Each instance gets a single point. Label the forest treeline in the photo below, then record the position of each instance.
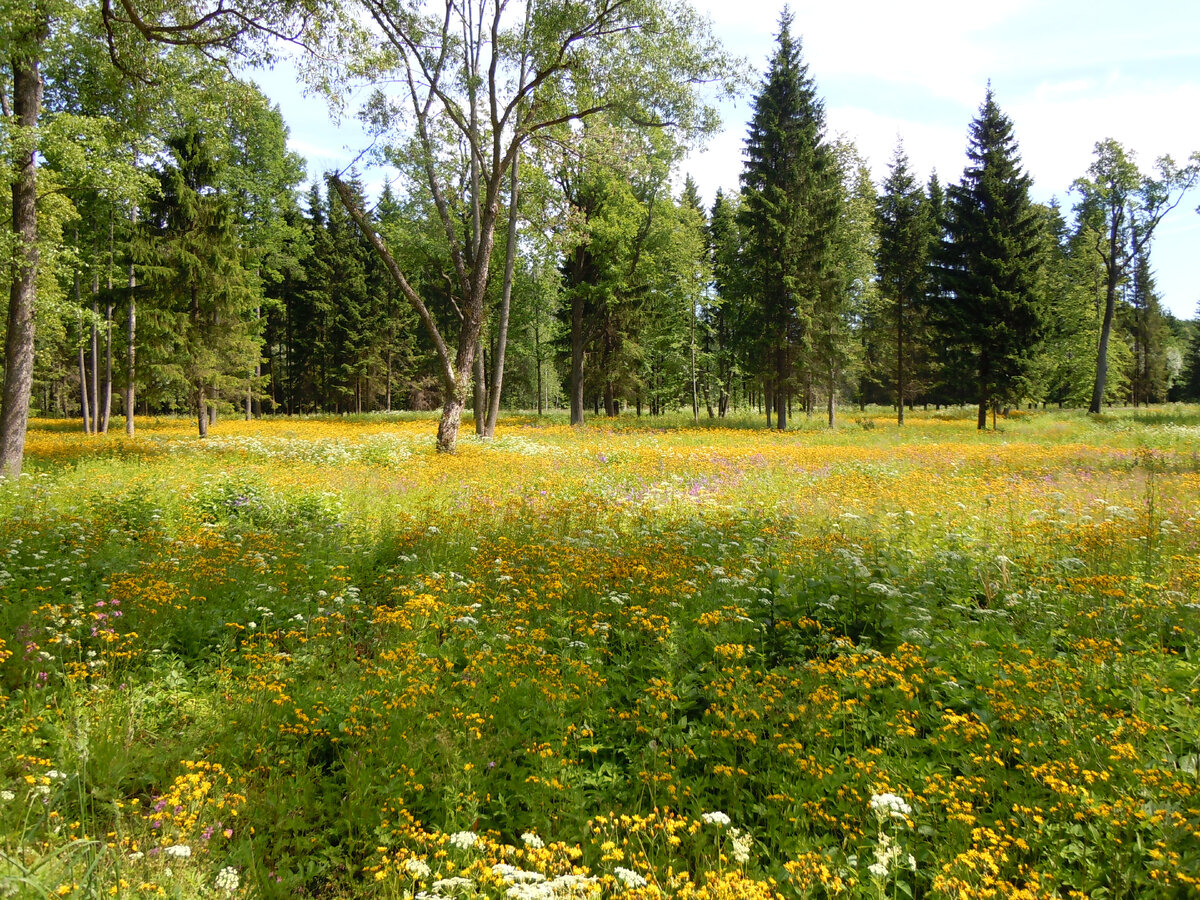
(534, 246)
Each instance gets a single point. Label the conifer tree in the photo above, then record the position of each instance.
(989, 306)
(789, 213)
(903, 263)
(209, 294)
(728, 310)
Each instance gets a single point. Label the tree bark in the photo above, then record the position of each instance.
(510, 258)
(131, 351)
(452, 410)
(201, 411)
(900, 373)
(84, 404)
(577, 340)
(1110, 305)
(18, 342)
(95, 354)
(479, 390)
(108, 383)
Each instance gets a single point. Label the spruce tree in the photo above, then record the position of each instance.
(789, 213)
(989, 306)
(209, 296)
(903, 263)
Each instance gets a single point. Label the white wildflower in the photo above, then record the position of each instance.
(739, 845)
(878, 870)
(7, 796)
(532, 840)
(417, 868)
(452, 884)
(890, 805)
(629, 878)
(513, 875)
(181, 851)
(715, 818)
(227, 880)
(463, 840)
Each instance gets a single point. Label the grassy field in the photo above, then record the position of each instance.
(312, 658)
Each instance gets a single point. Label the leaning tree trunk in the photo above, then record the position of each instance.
(18, 341)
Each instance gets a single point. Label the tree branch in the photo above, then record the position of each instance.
(393, 268)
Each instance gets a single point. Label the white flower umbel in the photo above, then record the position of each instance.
(739, 845)
(890, 806)
(227, 880)
(629, 878)
(417, 868)
(180, 851)
(715, 818)
(463, 840)
(532, 840)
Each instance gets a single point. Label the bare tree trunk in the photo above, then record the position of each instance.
(479, 390)
(85, 405)
(537, 356)
(692, 364)
(510, 256)
(108, 384)
(452, 410)
(900, 372)
(131, 351)
(95, 353)
(83, 391)
(832, 406)
(1110, 303)
(18, 341)
(108, 323)
(202, 411)
(388, 390)
(577, 361)
(106, 411)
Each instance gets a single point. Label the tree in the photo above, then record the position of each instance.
(214, 29)
(27, 29)
(209, 295)
(1125, 208)
(848, 285)
(726, 314)
(903, 264)
(990, 310)
(478, 82)
(789, 213)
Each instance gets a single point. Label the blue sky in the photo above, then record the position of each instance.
(1067, 72)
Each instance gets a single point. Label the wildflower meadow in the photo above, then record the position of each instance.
(313, 658)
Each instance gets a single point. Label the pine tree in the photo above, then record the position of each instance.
(788, 215)
(990, 311)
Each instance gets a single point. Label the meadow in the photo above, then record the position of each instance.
(314, 658)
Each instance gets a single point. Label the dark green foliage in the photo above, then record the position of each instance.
(906, 229)
(988, 309)
(788, 215)
(209, 298)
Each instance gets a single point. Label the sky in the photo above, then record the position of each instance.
(1068, 73)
